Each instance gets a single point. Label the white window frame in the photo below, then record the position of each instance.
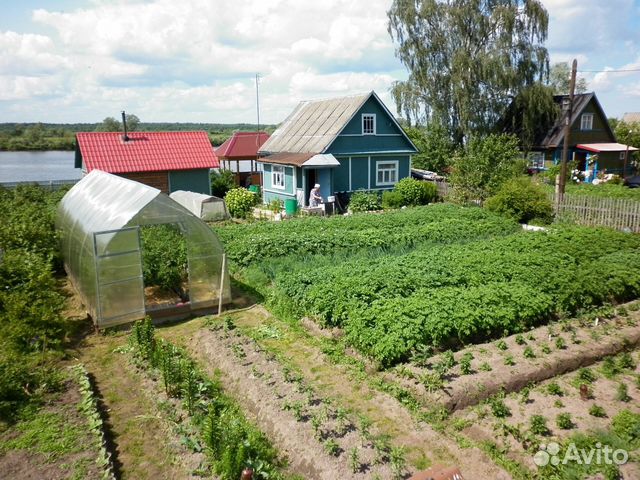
(379, 170)
(373, 118)
(536, 160)
(278, 179)
(586, 121)
(623, 154)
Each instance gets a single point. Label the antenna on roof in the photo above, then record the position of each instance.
(125, 137)
(258, 107)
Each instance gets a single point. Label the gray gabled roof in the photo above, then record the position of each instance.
(630, 117)
(314, 125)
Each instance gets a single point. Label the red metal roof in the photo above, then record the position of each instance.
(146, 151)
(242, 146)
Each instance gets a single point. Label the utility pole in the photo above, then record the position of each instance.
(567, 130)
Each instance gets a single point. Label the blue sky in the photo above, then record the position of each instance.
(195, 60)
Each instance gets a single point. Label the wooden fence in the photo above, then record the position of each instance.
(619, 213)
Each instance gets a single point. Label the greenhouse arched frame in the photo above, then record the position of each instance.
(99, 221)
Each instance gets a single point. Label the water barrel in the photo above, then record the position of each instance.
(290, 206)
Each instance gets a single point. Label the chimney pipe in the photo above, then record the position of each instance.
(125, 137)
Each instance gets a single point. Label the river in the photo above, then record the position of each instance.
(38, 166)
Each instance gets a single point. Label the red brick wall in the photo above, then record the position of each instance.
(159, 180)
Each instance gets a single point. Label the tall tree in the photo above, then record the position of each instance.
(467, 59)
(560, 79)
(110, 124)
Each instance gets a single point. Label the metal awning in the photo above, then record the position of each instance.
(301, 159)
(322, 160)
(606, 147)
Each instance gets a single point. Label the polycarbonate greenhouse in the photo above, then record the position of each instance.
(206, 207)
(99, 223)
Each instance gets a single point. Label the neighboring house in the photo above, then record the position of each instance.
(242, 147)
(592, 143)
(344, 144)
(168, 161)
(631, 117)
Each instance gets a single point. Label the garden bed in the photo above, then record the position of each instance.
(512, 363)
(556, 410)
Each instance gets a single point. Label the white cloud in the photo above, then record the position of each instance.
(196, 59)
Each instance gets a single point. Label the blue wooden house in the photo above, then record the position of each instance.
(344, 144)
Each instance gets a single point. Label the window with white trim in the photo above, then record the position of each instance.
(386, 172)
(586, 121)
(536, 160)
(277, 176)
(368, 123)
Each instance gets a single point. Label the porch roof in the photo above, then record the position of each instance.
(301, 159)
(605, 147)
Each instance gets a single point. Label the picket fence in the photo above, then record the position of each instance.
(619, 213)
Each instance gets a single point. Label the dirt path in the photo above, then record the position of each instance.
(143, 445)
(426, 446)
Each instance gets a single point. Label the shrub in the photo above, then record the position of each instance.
(221, 182)
(391, 199)
(415, 192)
(522, 200)
(484, 166)
(240, 202)
(363, 201)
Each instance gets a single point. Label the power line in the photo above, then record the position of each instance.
(611, 71)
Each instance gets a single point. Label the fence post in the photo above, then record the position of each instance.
(556, 203)
(224, 265)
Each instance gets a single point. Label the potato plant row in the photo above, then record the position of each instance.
(447, 295)
(247, 244)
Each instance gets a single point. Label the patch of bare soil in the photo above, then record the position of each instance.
(30, 463)
(513, 432)
(158, 297)
(145, 446)
(289, 406)
(514, 362)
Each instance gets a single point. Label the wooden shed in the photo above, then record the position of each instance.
(168, 161)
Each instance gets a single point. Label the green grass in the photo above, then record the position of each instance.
(48, 433)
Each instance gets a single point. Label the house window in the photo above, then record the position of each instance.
(586, 121)
(277, 176)
(623, 155)
(536, 160)
(368, 124)
(387, 173)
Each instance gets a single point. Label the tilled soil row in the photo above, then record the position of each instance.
(584, 346)
(285, 407)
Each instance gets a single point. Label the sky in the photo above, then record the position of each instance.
(68, 61)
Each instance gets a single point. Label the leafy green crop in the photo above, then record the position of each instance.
(247, 244)
(447, 295)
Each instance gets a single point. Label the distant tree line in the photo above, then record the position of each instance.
(61, 136)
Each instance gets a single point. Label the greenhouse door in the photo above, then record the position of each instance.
(120, 287)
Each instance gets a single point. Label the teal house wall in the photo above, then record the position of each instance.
(359, 154)
(191, 180)
(270, 192)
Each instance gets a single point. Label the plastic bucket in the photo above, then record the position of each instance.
(290, 206)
